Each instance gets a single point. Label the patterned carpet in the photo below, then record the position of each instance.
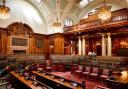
(90, 84)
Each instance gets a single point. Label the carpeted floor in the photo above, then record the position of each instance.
(90, 84)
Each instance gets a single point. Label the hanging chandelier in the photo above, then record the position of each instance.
(104, 12)
(57, 24)
(4, 11)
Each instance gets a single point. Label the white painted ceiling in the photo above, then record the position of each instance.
(40, 14)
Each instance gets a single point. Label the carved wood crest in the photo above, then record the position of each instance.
(20, 28)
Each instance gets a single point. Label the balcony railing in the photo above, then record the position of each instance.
(92, 20)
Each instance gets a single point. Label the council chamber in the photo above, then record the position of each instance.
(63, 44)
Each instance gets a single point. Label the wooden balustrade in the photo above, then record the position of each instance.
(118, 15)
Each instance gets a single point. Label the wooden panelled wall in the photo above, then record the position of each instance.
(3, 42)
(32, 44)
(56, 44)
(36, 43)
(53, 44)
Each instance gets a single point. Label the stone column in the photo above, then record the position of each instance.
(83, 46)
(109, 45)
(103, 45)
(79, 46)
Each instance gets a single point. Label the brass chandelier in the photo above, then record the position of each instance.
(57, 24)
(104, 12)
(4, 11)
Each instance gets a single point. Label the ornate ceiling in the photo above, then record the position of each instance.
(46, 11)
(71, 8)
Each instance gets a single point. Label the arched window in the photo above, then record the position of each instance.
(68, 22)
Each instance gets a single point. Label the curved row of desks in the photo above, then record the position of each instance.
(64, 83)
(23, 83)
(45, 80)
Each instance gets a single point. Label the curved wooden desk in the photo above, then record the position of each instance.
(55, 80)
(118, 81)
(28, 83)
